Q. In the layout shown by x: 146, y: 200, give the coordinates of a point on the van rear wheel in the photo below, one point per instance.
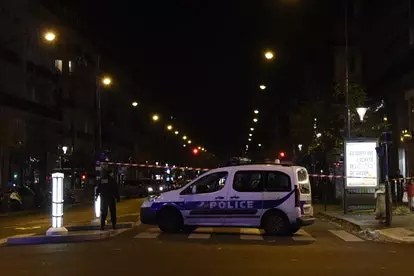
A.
x: 276, y: 223
x: 170, y: 221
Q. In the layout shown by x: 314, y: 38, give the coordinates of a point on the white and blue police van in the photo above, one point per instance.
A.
x: 273, y: 197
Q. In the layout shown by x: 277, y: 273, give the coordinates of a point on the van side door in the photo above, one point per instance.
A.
x: 203, y: 202
x: 245, y: 199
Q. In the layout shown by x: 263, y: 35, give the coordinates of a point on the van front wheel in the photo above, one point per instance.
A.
x: 170, y: 221
x: 276, y: 224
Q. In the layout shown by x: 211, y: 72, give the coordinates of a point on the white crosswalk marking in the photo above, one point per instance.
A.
x: 302, y: 235
x: 345, y: 236
x: 147, y: 235
x: 199, y: 236
x: 251, y: 237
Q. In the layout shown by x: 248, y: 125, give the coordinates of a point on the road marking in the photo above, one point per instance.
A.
x: 153, y: 230
x: 204, y: 230
x: 302, y: 235
x: 199, y: 236
x: 251, y: 231
x: 146, y: 235
x: 4, y: 240
x: 343, y: 235
x: 250, y: 237
x: 27, y: 228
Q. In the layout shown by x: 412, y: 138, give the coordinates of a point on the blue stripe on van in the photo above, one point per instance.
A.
x: 221, y: 204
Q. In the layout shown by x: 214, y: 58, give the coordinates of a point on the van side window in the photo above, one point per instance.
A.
x: 248, y: 181
x: 278, y: 182
x: 208, y: 184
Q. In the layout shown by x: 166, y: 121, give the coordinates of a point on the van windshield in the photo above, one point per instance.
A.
x: 303, y: 180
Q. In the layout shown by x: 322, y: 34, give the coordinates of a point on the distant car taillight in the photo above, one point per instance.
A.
x: 297, y: 196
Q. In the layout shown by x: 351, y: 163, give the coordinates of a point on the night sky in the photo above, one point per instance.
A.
x: 202, y: 61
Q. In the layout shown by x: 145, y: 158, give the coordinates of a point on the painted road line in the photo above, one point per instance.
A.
x: 4, y: 240
x: 345, y: 236
x: 251, y: 237
x: 147, y: 235
x: 203, y: 230
x: 199, y: 236
x: 302, y: 235
x: 153, y: 230
x: 251, y: 231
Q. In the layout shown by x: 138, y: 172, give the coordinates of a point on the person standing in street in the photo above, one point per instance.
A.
x: 108, y: 190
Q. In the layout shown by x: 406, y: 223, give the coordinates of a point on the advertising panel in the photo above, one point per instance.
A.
x: 361, y: 163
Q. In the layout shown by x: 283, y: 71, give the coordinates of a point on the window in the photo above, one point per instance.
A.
x: 278, y: 182
x: 70, y: 67
x: 207, y: 184
x: 248, y: 181
x: 303, y: 179
x: 59, y: 65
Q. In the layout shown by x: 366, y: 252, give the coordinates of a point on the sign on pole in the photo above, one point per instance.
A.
x: 361, y: 163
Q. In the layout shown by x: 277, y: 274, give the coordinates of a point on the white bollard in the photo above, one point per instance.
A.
x: 97, y: 209
x: 57, y: 206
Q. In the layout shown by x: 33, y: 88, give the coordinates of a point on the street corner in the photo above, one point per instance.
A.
x: 69, y: 237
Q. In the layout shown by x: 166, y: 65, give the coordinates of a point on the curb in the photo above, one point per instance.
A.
x: 91, y: 227
x: 58, y: 239
x: 343, y: 222
x: 396, y: 239
x: 32, y: 240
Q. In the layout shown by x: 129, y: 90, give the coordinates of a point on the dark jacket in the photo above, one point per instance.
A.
x: 109, y: 189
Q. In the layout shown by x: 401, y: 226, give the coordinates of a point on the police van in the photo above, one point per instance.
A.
x: 274, y: 197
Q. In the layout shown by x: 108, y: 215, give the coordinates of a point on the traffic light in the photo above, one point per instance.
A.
x: 83, y: 177
x: 195, y: 151
x: 282, y: 154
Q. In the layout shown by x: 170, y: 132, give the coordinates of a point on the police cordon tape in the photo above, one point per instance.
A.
x: 206, y: 169
x: 153, y: 166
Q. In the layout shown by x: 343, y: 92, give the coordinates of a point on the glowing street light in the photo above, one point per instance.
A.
x: 134, y: 104
x: 50, y: 36
x: 250, y: 139
x: 184, y: 137
x: 251, y: 129
x: 250, y: 134
x: 263, y: 87
x: 256, y: 111
x: 169, y: 127
x: 184, y: 145
x: 65, y: 149
x: 255, y: 120
x: 199, y: 148
x: 176, y: 132
x: 106, y: 81
x: 269, y: 55
x: 155, y: 117
x: 259, y: 145
x: 189, y: 141
x: 361, y: 112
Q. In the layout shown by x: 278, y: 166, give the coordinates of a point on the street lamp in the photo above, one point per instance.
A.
x: 65, y: 149
x: 50, y: 36
x: 189, y: 141
x: 361, y: 112
x: 249, y: 139
x: 263, y: 87
x: 134, y: 104
x: 169, y: 127
x: 184, y: 137
x: 256, y: 111
x: 269, y: 55
x: 106, y: 81
x: 155, y: 117
x: 176, y: 132
x: 252, y: 128
x: 255, y: 120
x: 250, y: 134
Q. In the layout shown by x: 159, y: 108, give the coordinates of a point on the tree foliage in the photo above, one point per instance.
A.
x: 320, y: 125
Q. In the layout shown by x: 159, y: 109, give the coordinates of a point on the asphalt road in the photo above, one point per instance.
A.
x: 17, y: 224
x: 317, y: 251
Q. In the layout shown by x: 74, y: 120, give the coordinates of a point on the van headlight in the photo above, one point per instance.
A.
x: 150, y: 189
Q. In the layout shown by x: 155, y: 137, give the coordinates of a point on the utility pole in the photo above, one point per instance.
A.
x: 348, y: 112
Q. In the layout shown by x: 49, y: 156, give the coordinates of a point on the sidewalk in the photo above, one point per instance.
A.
x: 365, y: 224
